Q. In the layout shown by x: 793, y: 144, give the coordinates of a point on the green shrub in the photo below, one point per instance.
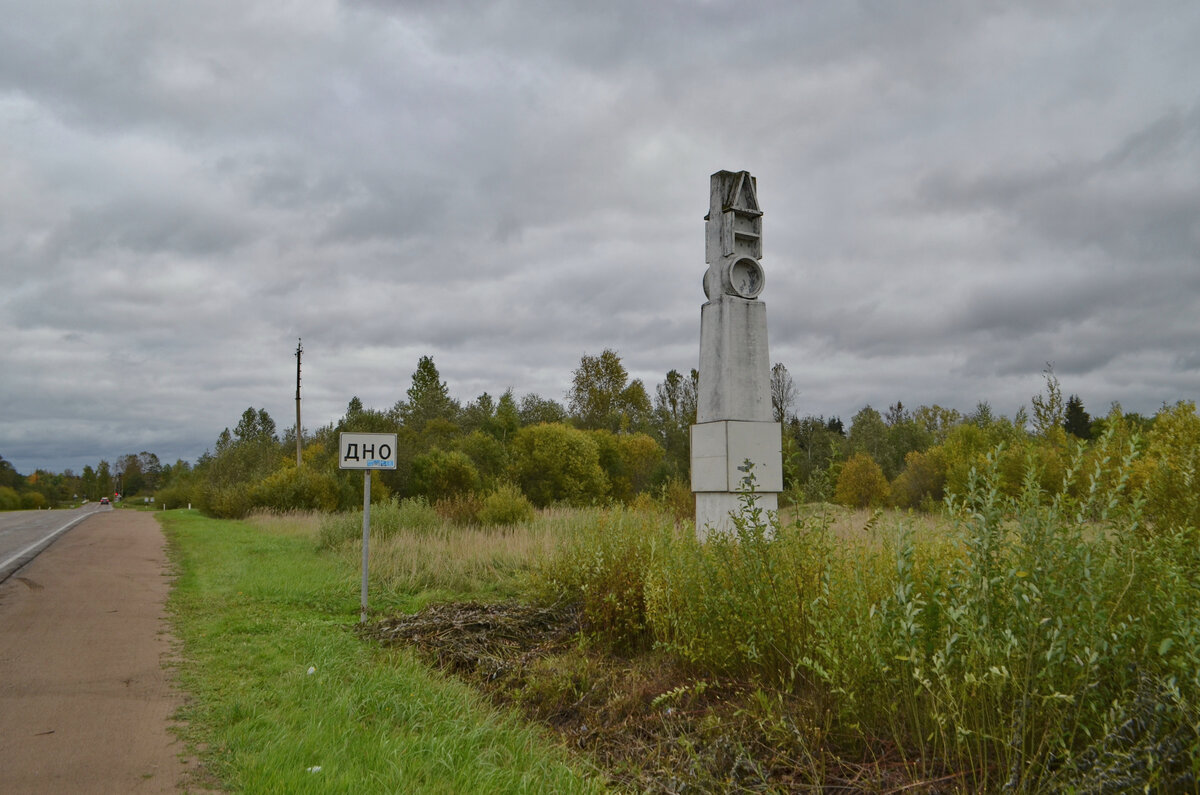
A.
x: 628, y: 461
x: 923, y: 480
x: 1005, y: 658
x: 678, y: 500
x: 505, y: 505
x: 819, y: 485
x: 552, y: 462
x: 177, y: 495
x: 292, y: 489
x: 225, y: 502
x: 640, y: 456
x: 487, y: 453
x: 33, y: 500
x: 608, y: 448
x: 965, y: 449
x: 413, y: 513
x: 605, y: 566
x: 738, y: 603
x: 10, y: 500
x: 438, y: 474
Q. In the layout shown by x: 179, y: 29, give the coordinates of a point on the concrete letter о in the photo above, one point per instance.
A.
x: 733, y: 411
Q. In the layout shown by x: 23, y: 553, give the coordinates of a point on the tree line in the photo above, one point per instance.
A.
x: 611, y: 440
x: 608, y: 441
x: 135, y: 473
x: 914, y: 459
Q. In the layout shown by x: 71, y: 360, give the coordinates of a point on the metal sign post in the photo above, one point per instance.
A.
x: 366, y: 451
x: 362, y: 615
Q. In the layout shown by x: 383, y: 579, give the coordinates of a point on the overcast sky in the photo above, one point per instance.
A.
x: 954, y: 195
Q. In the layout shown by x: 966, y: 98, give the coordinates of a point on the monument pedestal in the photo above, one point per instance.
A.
x: 715, y: 511
x: 725, y: 454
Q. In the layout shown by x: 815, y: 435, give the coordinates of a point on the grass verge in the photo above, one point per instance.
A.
x: 284, y: 696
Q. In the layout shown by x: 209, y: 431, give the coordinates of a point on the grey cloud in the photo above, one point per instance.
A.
x: 953, y: 196
x: 148, y: 226
x: 1135, y: 202
x: 1173, y: 138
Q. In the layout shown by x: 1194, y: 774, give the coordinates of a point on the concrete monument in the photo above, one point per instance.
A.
x: 734, y: 422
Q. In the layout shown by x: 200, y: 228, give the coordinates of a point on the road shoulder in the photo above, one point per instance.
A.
x: 86, y: 701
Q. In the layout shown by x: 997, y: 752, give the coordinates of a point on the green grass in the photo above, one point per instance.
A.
x: 255, y: 608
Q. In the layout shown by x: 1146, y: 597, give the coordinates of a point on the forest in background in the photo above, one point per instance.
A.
x: 610, y: 441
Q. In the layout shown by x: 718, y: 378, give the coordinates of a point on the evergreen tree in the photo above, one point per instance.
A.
x: 982, y: 416
x: 428, y: 397
x: 360, y: 419
x: 9, y: 476
x: 896, y: 415
x: 508, y: 416
x: 1077, y: 422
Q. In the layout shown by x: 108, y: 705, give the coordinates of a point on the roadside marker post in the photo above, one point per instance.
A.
x: 366, y: 451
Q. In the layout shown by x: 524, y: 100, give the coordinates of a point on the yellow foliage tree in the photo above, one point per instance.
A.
x: 861, y: 483
x: 1170, y: 469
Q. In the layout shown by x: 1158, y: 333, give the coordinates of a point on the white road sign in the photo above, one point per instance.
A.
x: 366, y: 451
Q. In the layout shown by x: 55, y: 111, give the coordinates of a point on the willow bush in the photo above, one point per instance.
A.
x: 739, y: 602
x: 1050, y: 639
x: 604, y: 564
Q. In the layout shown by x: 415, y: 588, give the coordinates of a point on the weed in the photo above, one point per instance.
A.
x: 387, y: 519
x: 604, y: 566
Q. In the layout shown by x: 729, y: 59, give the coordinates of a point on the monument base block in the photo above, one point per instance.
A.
x: 721, y: 449
x: 714, y: 511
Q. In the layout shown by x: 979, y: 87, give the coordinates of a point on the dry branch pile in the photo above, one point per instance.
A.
x: 481, y: 640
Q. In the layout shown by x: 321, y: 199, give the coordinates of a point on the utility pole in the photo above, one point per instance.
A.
x: 299, y: 350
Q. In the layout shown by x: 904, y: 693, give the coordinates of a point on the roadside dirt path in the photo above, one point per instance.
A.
x: 85, y: 700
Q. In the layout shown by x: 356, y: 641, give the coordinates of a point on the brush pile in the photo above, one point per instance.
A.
x: 481, y: 641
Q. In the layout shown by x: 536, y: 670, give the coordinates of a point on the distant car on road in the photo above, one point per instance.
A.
x: 104, y: 500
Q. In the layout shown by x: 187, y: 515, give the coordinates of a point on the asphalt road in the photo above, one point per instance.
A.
x: 23, y: 534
